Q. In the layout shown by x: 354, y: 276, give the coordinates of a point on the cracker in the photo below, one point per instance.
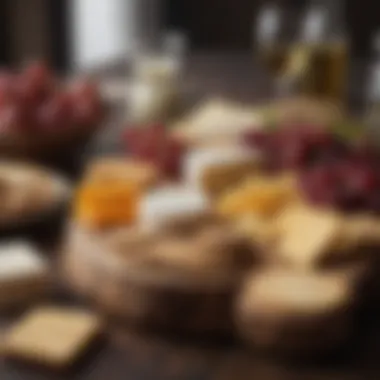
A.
x: 307, y: 235
x: 51, y: 336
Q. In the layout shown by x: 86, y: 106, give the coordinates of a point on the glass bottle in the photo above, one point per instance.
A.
x: 373, y: 89
x: 317, y: 63
x: 269, y: 41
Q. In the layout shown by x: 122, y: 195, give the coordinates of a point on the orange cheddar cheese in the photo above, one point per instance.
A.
x: 107, y: 204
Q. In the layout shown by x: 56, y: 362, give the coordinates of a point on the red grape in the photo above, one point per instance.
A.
x: 347, y: 185
x: 87, y: 112
x: 38, y: 71
x: 131, y: 136
x: 257, y: 139
x: 12, y: 117
x: 30, y: 101
x: 153, y: 144
x: 170, y: 158
x: 7, y: 90
x: 85, y: 88
x: 35, y: 84
x: 56, y: 113
x: 296, y: 147
x: 88, y: 107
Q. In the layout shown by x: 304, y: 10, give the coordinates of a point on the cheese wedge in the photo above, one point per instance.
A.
x: 163, y: 203
x: 214, y: 169
x: 24, y: 274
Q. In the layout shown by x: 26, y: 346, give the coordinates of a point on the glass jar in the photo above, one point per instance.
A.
x: 155, y: 87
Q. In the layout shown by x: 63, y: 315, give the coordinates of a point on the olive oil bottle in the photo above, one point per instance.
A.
x: 316, y: 64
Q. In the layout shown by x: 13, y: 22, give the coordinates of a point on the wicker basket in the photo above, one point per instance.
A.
x: 146, y: 298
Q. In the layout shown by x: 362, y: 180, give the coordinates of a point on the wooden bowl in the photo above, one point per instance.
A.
x: 46, y: 215
x: 61, y: 150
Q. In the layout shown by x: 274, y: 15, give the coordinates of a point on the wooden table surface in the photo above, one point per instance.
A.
x: 126, y: 355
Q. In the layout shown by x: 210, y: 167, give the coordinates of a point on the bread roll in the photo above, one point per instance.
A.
x: 290, y: 311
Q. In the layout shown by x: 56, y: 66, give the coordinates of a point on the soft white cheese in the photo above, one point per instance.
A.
x: 20, y: 260
x: 167, y: 202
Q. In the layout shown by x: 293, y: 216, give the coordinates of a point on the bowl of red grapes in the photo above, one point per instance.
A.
x: 333, y: 171
x: 42, y: 115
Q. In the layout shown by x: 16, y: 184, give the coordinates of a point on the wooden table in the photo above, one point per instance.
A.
x: 126, y: 355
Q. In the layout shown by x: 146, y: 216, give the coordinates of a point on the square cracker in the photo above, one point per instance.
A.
x: 307, y: 235
x: 51, y: 336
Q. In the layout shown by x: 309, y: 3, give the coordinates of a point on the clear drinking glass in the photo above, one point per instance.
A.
x: 155, y: 80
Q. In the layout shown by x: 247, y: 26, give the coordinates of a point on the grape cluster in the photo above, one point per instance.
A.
x: 331, y: 171
x: 348, y: 186
x: 32, y: 101
x: 296, y: 148
x: 153, y: 144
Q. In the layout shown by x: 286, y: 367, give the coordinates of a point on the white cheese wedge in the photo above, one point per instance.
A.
x: 23, y: 273
x: 198, y: 161
x: 162, y: 204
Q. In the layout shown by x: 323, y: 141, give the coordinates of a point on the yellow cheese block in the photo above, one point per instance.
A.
x: 263, y: 196
x: 107, y: 204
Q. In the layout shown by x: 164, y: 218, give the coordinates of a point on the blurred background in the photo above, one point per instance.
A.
x: 88, y: 33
